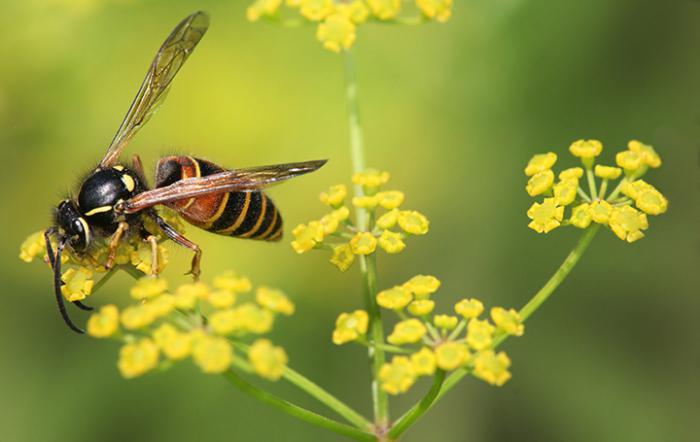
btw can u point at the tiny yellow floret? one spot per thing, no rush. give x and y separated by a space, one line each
350 326
565 191
508 320
398 376
337 32
445 322
388 220
268 361
394 298
423 362
329 224
365 202
306 236
142 259
274 300
627 223
651 201
391 242
540 183
363 243
212 354
540 163
174 344
469 308
356 11
232 282
586 149
390 199
649 155
104 323
77 284
421 307
385 9
221 299
629 160
422 286
225 322
335 195
438 10
137 358
581 216
413 222
254 319
147 288
342 257
187 295
407 331
480 334
137 316
451 355
33 246
571 173
370 179
545 216
607 172
600 211
492 368
315 10
262 7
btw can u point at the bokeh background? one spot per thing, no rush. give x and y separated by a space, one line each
454 112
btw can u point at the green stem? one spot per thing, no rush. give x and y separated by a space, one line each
418 410
591 184
295 410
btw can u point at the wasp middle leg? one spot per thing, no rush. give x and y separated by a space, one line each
114 243
180 239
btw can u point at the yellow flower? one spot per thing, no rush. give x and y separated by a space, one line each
137 316
423 362
187 295
565 191
162 305
390 199
212 354
254 319
142 258
479 334
627 223
174 344
124 252
540 183
355 11
365 202
274 300
267 360
221 299
581 216
571 173
363 243
407 332
385 9
600 211
398 376
651 201
607 172
336 32
632 189
350 326
32 246
342 257
546 216
469 308
445 322
649 155
328 223
629 160
394 298
413 222
292 3
451 355
422 286
262 7
231 282
439 10
315 10
391 242
335 195
586 149
147 288
370 179
421 307
77 284
388 220
508 320
492 368
341 213
306 236
137 358
540 163
104 323
224 322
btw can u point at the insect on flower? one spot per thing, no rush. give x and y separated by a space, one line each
114 200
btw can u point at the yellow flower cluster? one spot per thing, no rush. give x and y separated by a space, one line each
195 320
624 210
387 228
337 21
444 342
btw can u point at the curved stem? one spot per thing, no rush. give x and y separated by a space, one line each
418 410
295 410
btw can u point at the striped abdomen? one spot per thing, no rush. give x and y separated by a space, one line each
242 214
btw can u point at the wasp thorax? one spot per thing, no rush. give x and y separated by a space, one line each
104 189
72 225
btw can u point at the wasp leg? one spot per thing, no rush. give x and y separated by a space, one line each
137 165
114 242
180 239
153 241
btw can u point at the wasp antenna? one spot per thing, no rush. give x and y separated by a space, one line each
82 306
56 266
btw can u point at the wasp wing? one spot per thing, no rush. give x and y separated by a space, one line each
248 179
168 60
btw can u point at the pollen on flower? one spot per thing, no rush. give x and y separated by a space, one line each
422 286
565 191
508 320
545 216
649 155
306 236
581 216
337 32
33 246
445 322
421 307
390 199
407 332
174 344
388 220
232 282
342 257
480 334
439 10
600 211
607 172
335 196
571 173
540 183
397 376
451 355
350 326
492 367
423 362
385 9
274 300
627 223
586 149
413 222
142 258
104 323
137 358
394 298
315 10
147 288
262 7
363 243
391 242
268 361
469 308
212 354
77 284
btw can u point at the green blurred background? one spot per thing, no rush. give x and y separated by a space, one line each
454 112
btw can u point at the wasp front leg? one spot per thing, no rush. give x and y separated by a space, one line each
114 243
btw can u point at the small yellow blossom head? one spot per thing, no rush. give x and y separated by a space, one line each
492 367
262 8
337 32
365 202
363 243
77 284
225 322
174 344
438 10
148 288
268 361
212 354
545 216
221 299
600 211
341 213
274 300
581 216
350 326
571 173
356 10
408 331
329 224
342 257
630 161
398 376
370 179
388 220
421 307
480 334
565 191
395 298
33 246
649 155
587 150
413 222
335 196
254 319
445 322
422 286
306 236
104 323
627 223
391 242
187 295
469 308
232 282
651 201
384 9
607 172
315 10
508 320
423 362
137 316
137 358
142 259
540 183
390 199
451 355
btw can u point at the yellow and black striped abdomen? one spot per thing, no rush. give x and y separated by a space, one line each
250 215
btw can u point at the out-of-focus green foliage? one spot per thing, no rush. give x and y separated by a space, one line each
454 112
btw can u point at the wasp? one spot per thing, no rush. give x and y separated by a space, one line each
114 200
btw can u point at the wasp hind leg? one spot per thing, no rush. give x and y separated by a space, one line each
180 239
